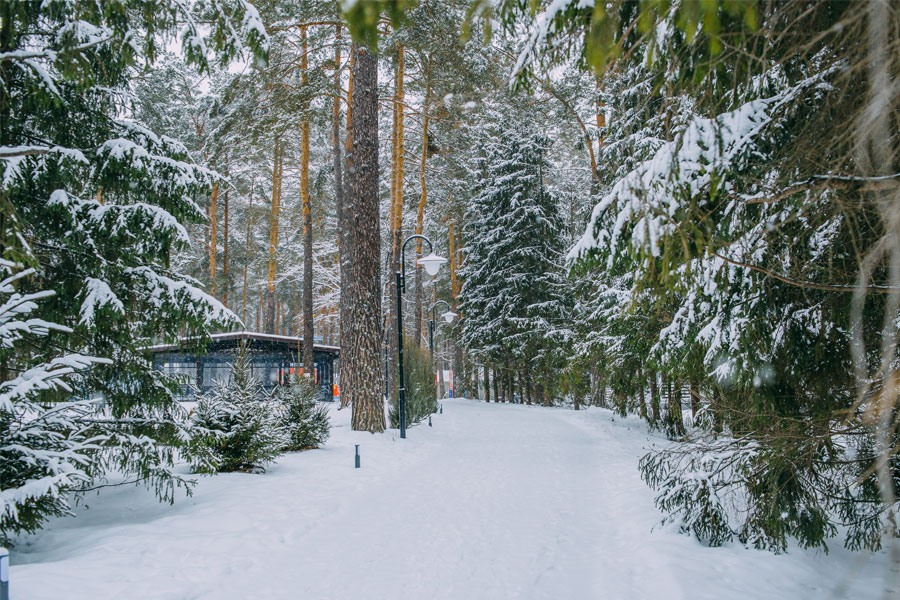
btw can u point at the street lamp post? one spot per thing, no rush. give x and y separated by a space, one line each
431 263
448 316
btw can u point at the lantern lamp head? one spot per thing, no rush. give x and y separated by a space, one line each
449 316
432 263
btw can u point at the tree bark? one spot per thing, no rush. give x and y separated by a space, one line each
273 237
336 160
247 256
346 215
440 369
396 223
423 198
362 345
654 399
496 385
225 283
695 400
213 241
308 323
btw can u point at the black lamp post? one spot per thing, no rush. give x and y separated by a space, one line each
431 263
448 316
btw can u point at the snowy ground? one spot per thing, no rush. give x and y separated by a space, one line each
493 502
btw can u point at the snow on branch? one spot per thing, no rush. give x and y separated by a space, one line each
648 197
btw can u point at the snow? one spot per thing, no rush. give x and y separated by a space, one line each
494 501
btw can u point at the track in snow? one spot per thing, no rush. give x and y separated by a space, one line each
494 501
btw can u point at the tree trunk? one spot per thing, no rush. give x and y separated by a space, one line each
695 400
259 306
529 387
363 340
440 369
487 383
273 237
396 224
346 215
225 284
336 160
423 198
247 256
308 323
673 408
213 241
654 399
520 387
642 403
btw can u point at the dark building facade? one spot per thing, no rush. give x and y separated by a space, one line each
273 359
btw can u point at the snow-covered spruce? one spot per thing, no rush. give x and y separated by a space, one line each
304 420
99 202
46 447
514 291
236 427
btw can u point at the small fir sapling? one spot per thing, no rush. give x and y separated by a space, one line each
235 428
304 420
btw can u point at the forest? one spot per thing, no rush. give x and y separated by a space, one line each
682 212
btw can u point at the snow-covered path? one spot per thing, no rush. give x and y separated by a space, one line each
494 502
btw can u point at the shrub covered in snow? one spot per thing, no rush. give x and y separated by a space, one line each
305 421
235 428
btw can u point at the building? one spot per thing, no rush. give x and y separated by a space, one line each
273 359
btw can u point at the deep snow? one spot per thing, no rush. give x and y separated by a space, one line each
494 501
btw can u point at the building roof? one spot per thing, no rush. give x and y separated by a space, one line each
246 335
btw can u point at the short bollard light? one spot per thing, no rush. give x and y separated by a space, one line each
357 457
4 574
429 420
442 408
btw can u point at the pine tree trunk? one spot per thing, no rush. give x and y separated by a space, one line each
213 241
225 283
273 238
487 383
654 399
529 387
423 199
695 400
492 370
346 216
396 223
440 370
361 351
247 256
259 306
308 323
336 160
642 406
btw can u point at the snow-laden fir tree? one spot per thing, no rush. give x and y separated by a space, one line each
47 444
236 426
513 292
304 420
745 236
103 201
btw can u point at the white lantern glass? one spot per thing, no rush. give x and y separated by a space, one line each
449 316
432 263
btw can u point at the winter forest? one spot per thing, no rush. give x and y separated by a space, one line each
449 299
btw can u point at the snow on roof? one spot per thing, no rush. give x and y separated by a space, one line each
253 335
